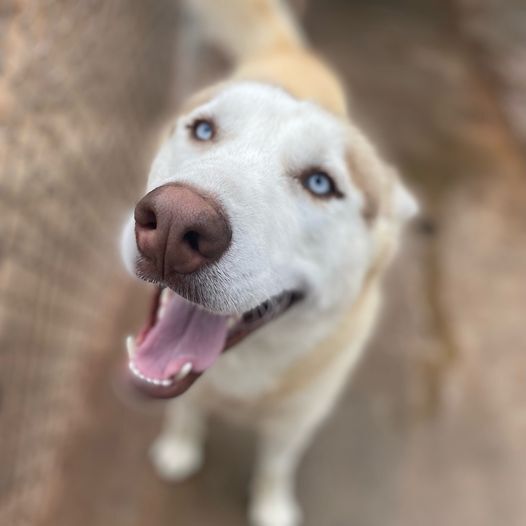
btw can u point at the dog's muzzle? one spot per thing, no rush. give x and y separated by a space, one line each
179 231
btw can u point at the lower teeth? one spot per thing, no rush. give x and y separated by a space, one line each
183 373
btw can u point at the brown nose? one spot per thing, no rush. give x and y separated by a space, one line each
179 230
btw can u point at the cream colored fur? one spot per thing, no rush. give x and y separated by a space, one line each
281 111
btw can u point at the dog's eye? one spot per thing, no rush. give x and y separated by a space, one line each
203 130
320 184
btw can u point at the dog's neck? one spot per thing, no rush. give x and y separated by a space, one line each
299 73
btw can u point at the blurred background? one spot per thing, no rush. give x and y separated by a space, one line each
433 428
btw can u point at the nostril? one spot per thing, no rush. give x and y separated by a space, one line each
146 218
151 224
192 239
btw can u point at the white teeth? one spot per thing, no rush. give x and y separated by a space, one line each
232 321
161 312
154 381
183 373
185 370
130 346
166 295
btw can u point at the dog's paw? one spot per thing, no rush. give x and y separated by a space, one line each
275 511
175 460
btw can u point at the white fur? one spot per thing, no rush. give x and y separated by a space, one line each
283 238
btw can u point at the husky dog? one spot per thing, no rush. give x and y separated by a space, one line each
267 223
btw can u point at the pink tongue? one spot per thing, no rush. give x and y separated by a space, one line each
186 333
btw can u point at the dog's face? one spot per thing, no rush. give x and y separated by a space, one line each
263 197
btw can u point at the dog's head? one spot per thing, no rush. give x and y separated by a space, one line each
256 202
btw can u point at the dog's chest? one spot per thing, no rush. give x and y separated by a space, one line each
256 367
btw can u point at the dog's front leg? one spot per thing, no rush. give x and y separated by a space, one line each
281 445
177 453
285 431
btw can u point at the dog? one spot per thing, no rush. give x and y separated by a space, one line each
267 223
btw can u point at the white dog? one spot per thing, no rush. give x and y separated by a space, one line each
267 223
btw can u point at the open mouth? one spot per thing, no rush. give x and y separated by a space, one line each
181 340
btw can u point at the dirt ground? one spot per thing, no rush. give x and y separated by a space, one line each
432 428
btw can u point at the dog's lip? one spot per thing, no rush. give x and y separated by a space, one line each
264 313
241 327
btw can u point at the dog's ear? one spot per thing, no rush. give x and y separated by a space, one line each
404 205
385 196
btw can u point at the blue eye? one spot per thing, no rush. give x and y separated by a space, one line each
203 130
319 184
